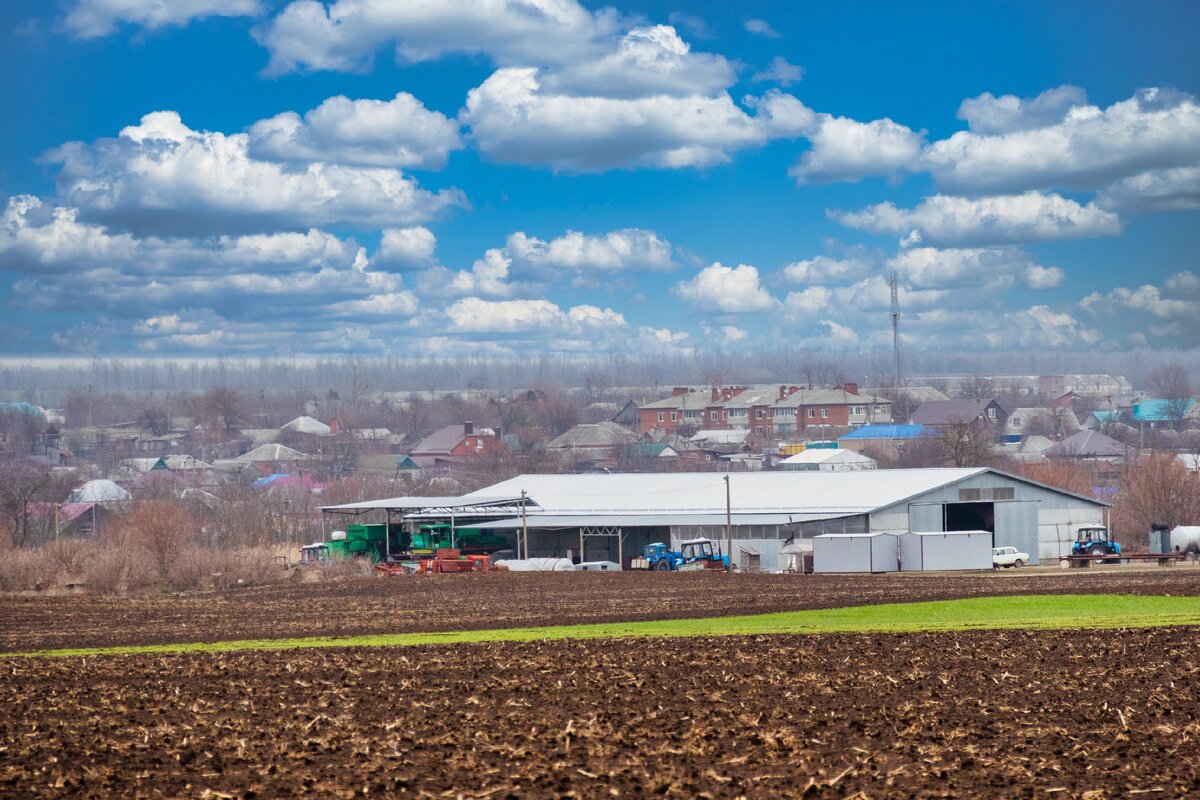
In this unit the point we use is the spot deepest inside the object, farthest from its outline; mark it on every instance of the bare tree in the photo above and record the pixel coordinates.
(1158, 488)
(968, 444)
(224, 405)
(977, 387)
(23, 483)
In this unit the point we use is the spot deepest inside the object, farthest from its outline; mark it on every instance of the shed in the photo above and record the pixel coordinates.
(944, 550)
(749, 559)
(855, 552)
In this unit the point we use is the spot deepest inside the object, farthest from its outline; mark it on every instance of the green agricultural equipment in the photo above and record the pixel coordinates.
(376, 543)
(469, 541)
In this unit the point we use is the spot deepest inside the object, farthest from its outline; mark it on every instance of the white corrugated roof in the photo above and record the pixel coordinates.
(704, 492)
(823, 455)
(305, 424)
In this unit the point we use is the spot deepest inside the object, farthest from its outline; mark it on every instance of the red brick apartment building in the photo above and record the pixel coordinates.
(766, 410)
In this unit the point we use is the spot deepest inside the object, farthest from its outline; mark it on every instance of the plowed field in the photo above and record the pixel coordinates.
(996, 714)
(500, 600)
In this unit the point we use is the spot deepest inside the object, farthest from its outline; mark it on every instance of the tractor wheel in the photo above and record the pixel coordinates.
(1018, 563)
(1097, 551)
(662, 566)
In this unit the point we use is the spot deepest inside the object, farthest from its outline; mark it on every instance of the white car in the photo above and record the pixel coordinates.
(1008, 557)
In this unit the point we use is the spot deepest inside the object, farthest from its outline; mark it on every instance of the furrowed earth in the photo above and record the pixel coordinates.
(951, 715)
(1068, 713)
(509, 600)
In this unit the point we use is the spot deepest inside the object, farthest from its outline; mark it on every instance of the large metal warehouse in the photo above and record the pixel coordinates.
(614, 515)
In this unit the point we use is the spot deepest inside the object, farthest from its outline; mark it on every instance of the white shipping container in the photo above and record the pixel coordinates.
(945, 550)
(855, 552)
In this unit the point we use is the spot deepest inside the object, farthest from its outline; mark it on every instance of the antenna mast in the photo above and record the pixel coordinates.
(896, 326)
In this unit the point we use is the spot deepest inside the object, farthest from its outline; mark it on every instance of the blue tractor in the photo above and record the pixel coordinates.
(694, 554)
(1094, 540)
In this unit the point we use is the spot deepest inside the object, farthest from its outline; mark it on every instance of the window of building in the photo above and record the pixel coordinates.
(858, 410)
(737, 412)
(674, 416)
(762, 412)
(693, 414)
(824, 413)
(812, 413)
(660, 416)
(715, 415)
(992, 414)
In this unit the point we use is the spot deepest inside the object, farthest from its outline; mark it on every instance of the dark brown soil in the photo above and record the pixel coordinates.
(999, 714)
(495, 600)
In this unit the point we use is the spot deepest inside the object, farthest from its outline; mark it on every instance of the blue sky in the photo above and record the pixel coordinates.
(248, 177)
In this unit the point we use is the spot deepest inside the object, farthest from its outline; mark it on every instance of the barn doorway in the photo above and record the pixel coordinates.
(970, 517)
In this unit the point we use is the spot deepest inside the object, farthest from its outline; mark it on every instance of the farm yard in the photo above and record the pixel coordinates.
(1005, 714)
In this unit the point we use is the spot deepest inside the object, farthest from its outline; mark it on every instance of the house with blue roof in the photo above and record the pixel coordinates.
(1154, 412)
(884, 438)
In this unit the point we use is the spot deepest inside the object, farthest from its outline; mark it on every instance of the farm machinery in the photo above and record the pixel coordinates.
(434, 548)
(694, 554)
(1094, 540)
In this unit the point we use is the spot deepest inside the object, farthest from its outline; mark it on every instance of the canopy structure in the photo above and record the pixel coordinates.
(436, 506)
(558, 521)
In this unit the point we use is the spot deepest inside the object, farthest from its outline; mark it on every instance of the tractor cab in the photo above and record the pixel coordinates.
(1094, 540)
(697, 548)
(314, 555)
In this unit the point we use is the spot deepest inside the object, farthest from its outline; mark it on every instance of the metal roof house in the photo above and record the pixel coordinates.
(623, 512)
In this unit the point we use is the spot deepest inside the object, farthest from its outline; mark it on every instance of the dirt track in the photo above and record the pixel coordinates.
(458, 602)
(1003, 714)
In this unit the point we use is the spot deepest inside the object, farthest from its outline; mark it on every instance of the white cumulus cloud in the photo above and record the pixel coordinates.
(88, 19)
(780, 71)
(407, 248)
(1089, 147)
(1005, 219)
(1176, 189)
(847, 150)
(726, 289)
(399, 132)
(514, 121)
(988, 114)
(824, 268)
(344, 35)
(161, 176)
(929, 267)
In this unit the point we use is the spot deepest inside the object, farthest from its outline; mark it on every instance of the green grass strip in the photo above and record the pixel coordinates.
(1030, 612)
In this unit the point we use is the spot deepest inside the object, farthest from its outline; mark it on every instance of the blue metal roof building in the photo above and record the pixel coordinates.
(887, 432)
(1157, 410)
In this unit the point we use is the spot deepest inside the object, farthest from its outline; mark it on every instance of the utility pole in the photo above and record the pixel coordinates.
(728, 527)
(896, 325)
(524, 527)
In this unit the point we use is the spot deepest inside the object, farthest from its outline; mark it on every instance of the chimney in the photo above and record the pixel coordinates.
(851, 388)
(678, 390)
(782, 391)
(468, 428)
(333, 425)
(716, 394)
(792, 390)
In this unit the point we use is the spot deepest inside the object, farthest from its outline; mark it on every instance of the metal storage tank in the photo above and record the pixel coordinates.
(921, 552)
(855, 552)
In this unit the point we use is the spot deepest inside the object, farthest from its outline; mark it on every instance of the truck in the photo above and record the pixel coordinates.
(694, 554)
(1095, 540)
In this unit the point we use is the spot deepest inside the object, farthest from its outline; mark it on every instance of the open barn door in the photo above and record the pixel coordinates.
(1017, 526)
